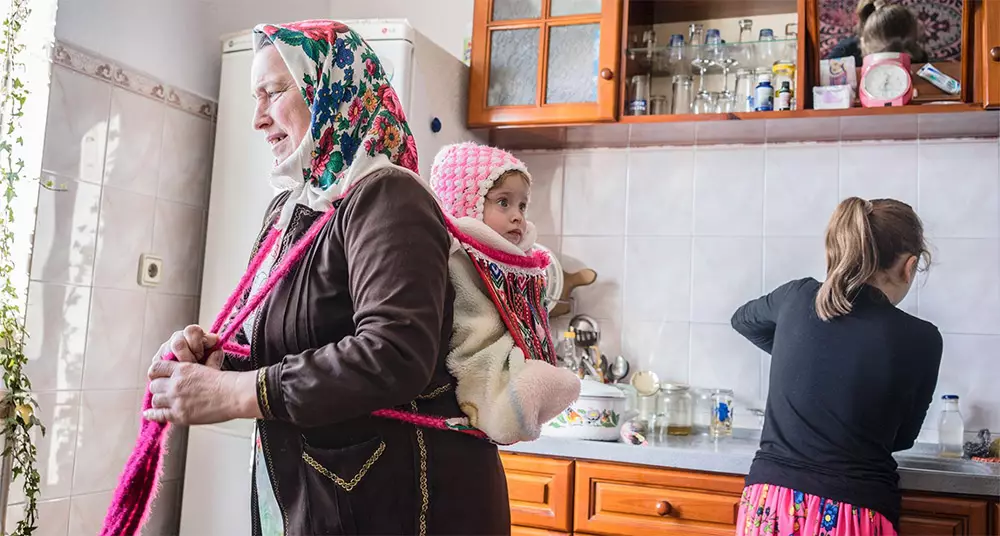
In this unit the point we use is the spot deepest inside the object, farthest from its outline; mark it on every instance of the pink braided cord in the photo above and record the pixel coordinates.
(425, 421)
(262, 252)
(241, 350)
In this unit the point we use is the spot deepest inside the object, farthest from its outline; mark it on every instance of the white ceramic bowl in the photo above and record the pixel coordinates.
(597, 415)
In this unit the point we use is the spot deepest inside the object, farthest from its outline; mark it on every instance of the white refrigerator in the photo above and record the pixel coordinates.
(431, 84)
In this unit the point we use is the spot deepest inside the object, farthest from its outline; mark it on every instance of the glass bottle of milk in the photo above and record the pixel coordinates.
(951, 428)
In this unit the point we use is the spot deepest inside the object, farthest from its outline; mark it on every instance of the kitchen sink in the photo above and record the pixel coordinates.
(965, 467)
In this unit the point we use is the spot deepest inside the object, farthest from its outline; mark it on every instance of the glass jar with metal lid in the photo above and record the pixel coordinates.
(675, 413)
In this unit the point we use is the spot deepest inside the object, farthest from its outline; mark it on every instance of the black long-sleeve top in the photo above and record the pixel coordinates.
(844, 394)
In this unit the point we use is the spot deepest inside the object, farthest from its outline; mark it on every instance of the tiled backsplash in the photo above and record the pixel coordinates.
(681, 236)
(135, 162)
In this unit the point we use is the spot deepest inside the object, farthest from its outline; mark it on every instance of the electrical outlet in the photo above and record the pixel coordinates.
(150, 270)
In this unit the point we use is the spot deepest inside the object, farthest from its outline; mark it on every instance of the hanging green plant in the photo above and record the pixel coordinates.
(18, 405)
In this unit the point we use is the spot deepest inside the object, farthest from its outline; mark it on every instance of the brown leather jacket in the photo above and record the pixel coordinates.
(362, 323)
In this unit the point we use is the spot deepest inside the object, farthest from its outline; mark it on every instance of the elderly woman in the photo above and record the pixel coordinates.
(360, 324)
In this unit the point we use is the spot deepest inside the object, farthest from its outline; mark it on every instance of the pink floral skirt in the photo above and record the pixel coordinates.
(767, 510)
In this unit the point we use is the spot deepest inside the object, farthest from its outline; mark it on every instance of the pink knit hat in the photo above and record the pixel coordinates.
(463, 173)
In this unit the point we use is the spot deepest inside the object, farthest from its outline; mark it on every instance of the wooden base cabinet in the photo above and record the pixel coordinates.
(617, 499)
(927, 515)
(541, 494)
(561, 497)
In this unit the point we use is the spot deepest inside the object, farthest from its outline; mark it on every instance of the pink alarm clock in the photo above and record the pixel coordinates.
(885, 80)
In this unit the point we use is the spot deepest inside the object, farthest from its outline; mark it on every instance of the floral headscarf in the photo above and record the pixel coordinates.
(357, 125)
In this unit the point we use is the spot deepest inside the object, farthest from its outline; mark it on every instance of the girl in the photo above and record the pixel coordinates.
(851, 379)
(501, 351)
(882, 27)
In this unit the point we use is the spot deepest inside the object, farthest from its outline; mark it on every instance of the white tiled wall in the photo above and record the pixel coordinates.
(136, 173)
(681, 236)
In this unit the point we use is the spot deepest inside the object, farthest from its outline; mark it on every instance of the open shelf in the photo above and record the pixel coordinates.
(664, 60)
(926, 122)
(801, 114)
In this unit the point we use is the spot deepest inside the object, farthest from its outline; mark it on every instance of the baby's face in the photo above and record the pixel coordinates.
(506, 205)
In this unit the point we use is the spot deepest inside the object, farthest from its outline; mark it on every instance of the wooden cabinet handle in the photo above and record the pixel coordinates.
(663, 508)
(995, 53)
(608, 74)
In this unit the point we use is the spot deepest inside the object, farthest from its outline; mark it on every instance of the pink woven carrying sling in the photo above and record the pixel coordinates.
(139, 481)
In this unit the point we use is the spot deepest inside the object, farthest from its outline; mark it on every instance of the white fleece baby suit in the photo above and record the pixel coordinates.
(506, 395)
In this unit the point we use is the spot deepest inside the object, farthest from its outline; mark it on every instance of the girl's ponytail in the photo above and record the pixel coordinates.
(852, 257)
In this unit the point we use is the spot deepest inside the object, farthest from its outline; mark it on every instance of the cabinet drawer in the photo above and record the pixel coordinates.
(540, 491)
(615, 499)
(927, 515)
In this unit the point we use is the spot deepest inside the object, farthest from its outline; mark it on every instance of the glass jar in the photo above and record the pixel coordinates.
(722, 413)
(702, 414)
(744, 90)
(675, 411)
(682, 85)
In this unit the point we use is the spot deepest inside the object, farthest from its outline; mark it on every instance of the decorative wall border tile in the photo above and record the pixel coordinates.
(91, 64)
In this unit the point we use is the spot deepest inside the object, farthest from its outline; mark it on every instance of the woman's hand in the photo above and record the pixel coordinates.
(190, 345)
(189, 393)
(193, 389)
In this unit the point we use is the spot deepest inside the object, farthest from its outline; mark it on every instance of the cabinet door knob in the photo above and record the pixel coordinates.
(663, 508)
(995, 53)
(608, 74)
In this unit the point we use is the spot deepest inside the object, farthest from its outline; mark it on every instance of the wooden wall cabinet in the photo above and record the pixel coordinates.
(541, 62)
(988, 41)
(558, 497)
(569, 62)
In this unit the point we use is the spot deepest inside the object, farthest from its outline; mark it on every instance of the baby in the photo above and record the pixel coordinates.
(501, 350)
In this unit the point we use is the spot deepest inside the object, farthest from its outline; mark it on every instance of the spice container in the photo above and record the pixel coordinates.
(675, 413)
(722, 413)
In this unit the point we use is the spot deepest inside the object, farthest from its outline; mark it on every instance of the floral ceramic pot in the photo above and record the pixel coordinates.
(597, 415)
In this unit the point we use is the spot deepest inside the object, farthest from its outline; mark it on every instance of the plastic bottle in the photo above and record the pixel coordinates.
(763, 98)
(783, 98)
(951, 428)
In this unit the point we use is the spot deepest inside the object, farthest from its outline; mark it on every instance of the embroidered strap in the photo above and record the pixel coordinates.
(518, 295)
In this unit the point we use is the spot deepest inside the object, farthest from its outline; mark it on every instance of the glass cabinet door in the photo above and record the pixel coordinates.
(544, 61)
(572, 72)
(562, 8)
(516, 9)
(513, 72)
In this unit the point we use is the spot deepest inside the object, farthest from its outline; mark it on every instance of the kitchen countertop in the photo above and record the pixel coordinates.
(920, 469)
